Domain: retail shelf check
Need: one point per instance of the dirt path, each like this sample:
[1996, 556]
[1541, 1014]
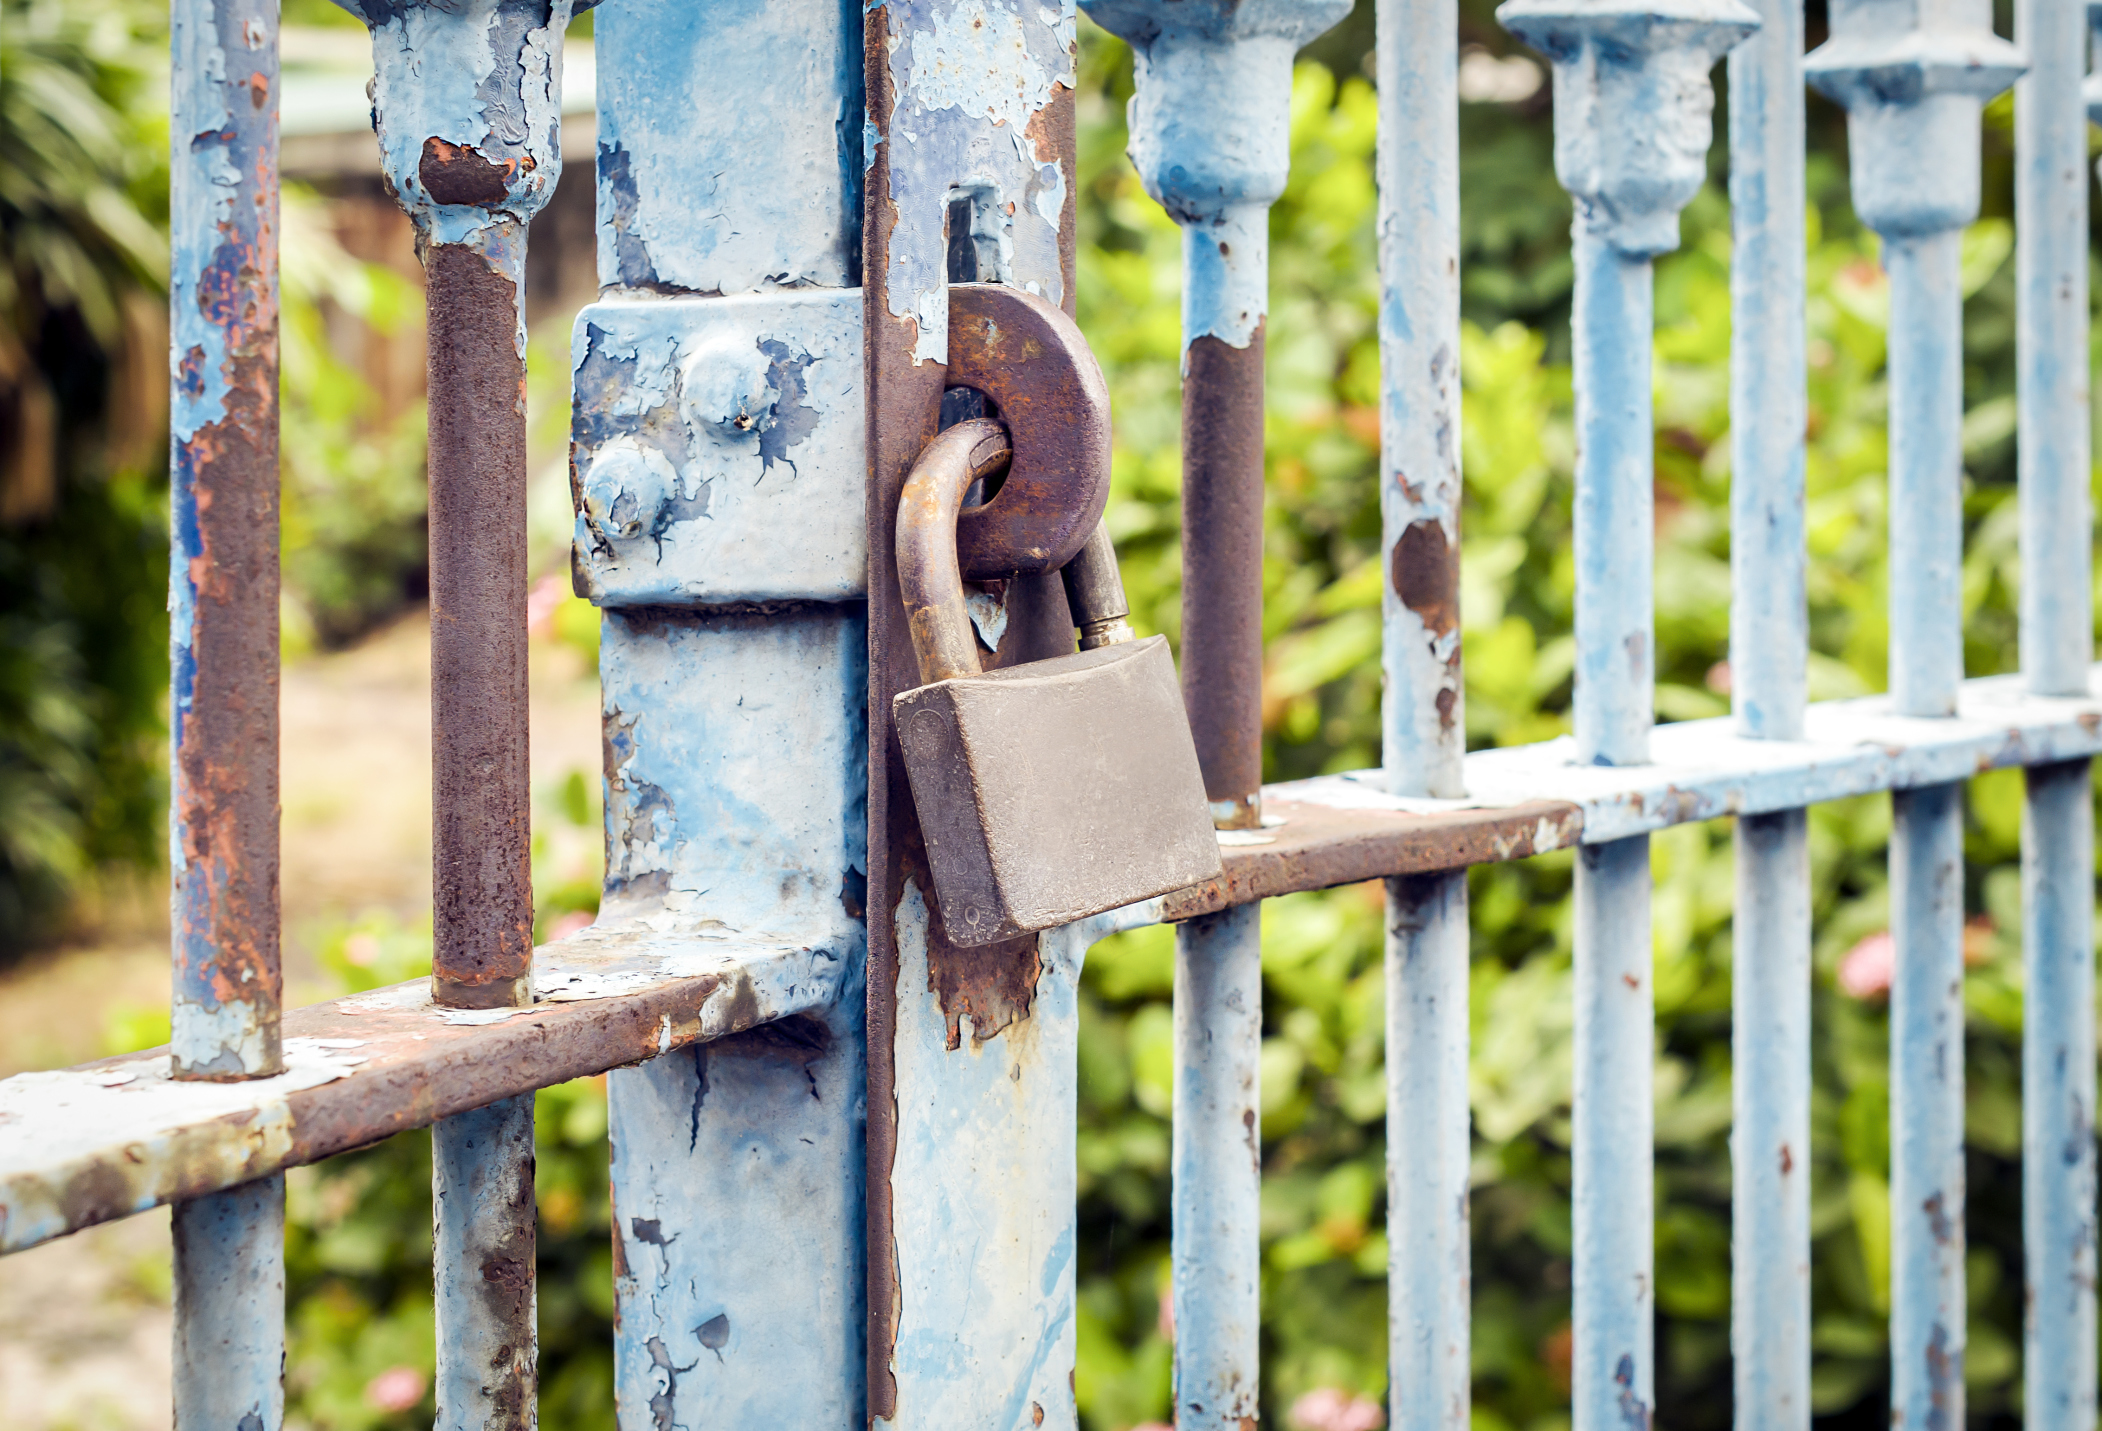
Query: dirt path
[84, 1325]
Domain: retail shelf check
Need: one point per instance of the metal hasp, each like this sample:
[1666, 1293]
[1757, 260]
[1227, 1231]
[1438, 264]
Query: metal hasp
[1424, 726]
[467, 99]
[1633, 116]
[1210, 137]
[2051, 114]
[1769, 671]
[1914, 75]
[971, 1052]
[717, 464]
[223, 628]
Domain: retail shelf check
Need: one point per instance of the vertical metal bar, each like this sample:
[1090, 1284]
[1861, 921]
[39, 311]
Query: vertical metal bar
[1915, 181]
[1428, 1151]
[1613, 1376]
[484, 1229]
[1770, 1139]
[1211, 140]
[1626, 77]
[1927, 1311]
[2051, 354]
[1423, 719]
[230, 1309]
[2058, 826]
[223, 597]
[2058, 1096]
[467, 101]
[1769, 650]
[1217, 1159]
[967, 1048]
[223, 578]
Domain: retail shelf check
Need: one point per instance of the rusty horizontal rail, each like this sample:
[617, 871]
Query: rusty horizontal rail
[107, 1139]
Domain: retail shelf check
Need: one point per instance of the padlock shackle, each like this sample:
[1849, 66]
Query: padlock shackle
[930, 579]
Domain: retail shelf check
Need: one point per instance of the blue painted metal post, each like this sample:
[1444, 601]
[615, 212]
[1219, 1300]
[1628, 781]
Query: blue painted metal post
[1632, 126]
[223, 594]
[1428, 1150]
[467, 105]
[1209, 134]
[1913, 77]
[2058, 829]
[718, 463]
[1769, 657]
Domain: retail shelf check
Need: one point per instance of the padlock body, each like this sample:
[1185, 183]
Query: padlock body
[1054, 790]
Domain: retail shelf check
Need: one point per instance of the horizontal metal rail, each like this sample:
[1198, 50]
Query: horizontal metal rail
[108, 1139]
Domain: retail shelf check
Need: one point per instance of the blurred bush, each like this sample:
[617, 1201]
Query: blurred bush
[83, 412]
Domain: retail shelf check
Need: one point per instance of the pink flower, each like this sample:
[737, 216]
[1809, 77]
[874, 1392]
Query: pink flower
[1329, 1408]
[1167, 1314]
[398, 1388]
[1153, 1426]
[1865, 970]
[569, 924]
[542, 601]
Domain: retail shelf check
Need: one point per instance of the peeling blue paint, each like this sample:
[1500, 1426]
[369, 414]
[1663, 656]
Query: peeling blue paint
[983, 1193]
[736, 758]
[753, 180]
[717, 449]
[972, 81]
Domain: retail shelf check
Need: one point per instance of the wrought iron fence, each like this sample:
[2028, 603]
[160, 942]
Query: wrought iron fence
[843, 1164]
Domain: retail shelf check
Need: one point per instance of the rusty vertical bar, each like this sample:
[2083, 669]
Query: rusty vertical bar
[467, 104]
[223, 596]
[223, 579]
[1210, 136]
[1913, 76]
[1424, 721]
[2058, 643]
[1633, 111]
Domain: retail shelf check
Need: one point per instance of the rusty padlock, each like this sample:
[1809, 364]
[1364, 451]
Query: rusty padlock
[1047, 791]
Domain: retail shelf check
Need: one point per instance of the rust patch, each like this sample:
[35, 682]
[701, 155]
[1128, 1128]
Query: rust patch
[462, 174]
[480, 799]
[1787, 1161]
[1426, 577]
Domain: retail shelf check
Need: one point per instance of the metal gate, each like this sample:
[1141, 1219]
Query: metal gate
[843, 1157]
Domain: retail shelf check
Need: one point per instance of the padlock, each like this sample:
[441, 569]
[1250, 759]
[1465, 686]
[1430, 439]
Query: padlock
[1047, 791]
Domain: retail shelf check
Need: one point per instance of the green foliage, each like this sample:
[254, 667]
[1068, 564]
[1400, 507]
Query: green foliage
[83, 545]
[353, 496]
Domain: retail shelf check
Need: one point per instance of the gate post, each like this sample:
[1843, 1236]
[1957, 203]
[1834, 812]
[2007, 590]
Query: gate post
[716, 465]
